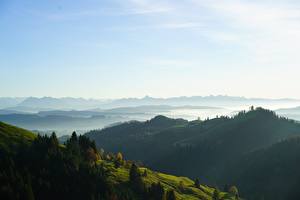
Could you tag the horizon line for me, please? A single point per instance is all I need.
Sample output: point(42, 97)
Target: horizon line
point(151, 97)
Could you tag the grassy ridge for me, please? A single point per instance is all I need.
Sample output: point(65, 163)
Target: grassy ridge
point(11, 136)
point(184, 187)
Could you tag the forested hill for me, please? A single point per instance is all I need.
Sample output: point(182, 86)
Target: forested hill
point(270, 173)
point(132, 136)
point(208, 149)
point(223, 138)
point(38, 167)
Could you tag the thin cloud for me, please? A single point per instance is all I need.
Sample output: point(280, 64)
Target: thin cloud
point(174, 25)
point(267, 31)
point(77, 15)
point(145, 6)
point(171, 63)
point(183, 25)
point(148, 11)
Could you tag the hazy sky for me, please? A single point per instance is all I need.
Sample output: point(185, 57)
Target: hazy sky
point(122, 48)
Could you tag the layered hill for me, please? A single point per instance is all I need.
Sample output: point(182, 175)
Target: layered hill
point(208, 149)
point(138, 139)
point(66, 121)
point(59, 122)
point(293, 113)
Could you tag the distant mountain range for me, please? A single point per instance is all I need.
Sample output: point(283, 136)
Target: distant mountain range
point(219, 100)
point(6, 102)
point(34, 104)
point(215, 101)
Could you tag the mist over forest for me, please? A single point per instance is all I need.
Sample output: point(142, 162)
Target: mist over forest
point(65, 115)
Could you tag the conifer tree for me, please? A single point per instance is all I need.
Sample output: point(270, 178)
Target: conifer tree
point(171, 195)
point(216, 195)
point(197, 183)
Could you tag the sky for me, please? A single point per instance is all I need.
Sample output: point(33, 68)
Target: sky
point(161, 48)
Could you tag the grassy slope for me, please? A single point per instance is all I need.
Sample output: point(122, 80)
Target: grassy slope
point(169, 182)
point(11, 136)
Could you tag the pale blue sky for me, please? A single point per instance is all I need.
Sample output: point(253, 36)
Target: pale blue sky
point(132, 48)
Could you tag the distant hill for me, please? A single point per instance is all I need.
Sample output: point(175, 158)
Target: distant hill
point(289, 110)
point(206, 149)
point(8, 112)
point(137, 139)
point(293, 113)
point(46, 170)
point(6, 102)
point(59, 122)
point(222, 137)
point(70, 113)
point(136, 110)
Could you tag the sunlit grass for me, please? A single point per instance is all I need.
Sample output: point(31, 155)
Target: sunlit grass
point(184, 187)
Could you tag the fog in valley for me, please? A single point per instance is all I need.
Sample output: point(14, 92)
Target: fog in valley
point(65, 115)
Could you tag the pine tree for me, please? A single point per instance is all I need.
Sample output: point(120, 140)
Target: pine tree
point(134, 173)
point(216, 195)
point(136, 179)
point(73, 137)
point(171, 195)
point(145, 174)
point(197, 183)
point(156, 191)
point(181, 186)
point(54, 139)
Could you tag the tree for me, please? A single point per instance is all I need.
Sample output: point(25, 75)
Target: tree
point(145, 174)
point(171, 195)
point(119, 157)
point(73, 137)
point(197, 183)
point(136, 179)
point(234, 191)
point(134, 173)
point(157, 191)
point(119, 160)
point(54, 142)
point(91, 155)
point(29, 192)
point(181, 186)
point(216, 195)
